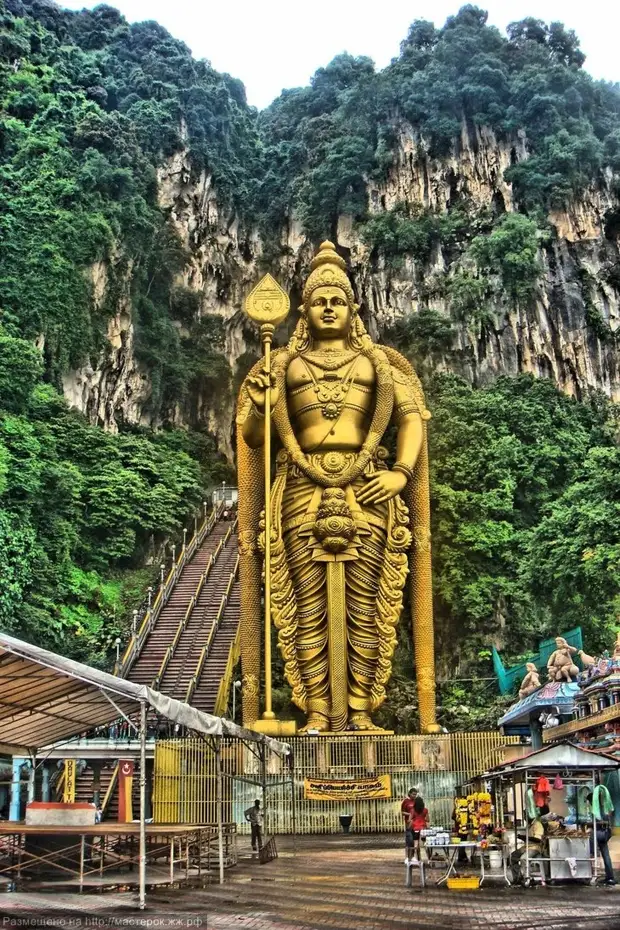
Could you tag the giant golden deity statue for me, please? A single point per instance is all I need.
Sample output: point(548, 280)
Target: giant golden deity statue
point(345, 527)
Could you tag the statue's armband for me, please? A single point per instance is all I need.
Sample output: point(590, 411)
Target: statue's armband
point(405, 400)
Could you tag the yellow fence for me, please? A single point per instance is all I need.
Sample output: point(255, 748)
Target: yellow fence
point(184, 783)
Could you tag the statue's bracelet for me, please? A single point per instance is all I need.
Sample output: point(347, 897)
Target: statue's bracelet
point(403, 469)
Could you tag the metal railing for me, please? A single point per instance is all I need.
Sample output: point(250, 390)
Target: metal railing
point(223, 693)
point(204, 653)
point(139, 637)
point(110, 789)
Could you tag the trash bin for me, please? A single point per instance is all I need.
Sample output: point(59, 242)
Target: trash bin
point(345, 822)
point(495, 858)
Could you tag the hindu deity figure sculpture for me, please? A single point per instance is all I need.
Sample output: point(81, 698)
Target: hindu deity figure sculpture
point(561, 664)
point(531, 681)
point(346, 526)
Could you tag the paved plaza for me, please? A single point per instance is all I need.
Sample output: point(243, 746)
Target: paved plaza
point(341, 883)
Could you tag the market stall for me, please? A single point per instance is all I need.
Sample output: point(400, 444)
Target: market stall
point(549, 788)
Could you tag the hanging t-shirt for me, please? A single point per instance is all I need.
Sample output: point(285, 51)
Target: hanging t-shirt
point(542, 789)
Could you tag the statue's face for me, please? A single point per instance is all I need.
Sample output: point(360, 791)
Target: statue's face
point(329, 313)
point(559, 641)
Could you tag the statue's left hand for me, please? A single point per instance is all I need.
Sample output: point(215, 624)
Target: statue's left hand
point(382, 487)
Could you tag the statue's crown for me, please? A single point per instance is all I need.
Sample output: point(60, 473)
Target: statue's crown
point(328, 269)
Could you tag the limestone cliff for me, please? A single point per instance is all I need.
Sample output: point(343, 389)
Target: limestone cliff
point(566, 332)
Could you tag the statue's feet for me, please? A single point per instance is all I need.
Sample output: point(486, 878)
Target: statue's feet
point(362, 721)
point(315, 721)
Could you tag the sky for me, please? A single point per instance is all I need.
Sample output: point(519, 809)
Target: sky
point(275, 44)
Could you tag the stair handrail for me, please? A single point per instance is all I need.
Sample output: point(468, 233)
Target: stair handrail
point(60, 785)
point(223, 692)
point(109, 790)
point(204, 652)
point(151, 616)
point(188, 612)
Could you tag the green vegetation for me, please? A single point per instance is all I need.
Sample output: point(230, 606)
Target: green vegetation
point(89, 107)
point(81, 510)
point(326, 140)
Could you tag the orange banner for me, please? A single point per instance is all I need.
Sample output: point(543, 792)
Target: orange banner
point(344, 789)
point(125, 790)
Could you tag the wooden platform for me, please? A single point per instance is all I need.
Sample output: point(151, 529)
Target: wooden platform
point(10, 827)
point(97, 854)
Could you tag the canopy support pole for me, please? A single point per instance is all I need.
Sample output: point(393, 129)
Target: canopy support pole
point(263, 780)
point(142, 894)
point(220, 806)
point(291, 762)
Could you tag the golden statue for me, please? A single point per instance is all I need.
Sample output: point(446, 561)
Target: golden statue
point(344, 526)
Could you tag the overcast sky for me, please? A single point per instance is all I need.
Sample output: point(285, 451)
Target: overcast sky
point(273, 44)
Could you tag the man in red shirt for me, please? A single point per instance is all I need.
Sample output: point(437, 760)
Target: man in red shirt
point(407, 811)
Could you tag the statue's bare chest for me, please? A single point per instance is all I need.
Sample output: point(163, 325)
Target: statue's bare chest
point(322, 384)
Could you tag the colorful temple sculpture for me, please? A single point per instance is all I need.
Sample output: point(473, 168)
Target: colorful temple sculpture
point(596, 714)
point(328, 544)
point(548, 691)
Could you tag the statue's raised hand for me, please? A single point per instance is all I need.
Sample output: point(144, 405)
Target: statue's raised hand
point(257, 389)
point(381, 487)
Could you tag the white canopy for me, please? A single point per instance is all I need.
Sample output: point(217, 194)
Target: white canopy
point(46, 698)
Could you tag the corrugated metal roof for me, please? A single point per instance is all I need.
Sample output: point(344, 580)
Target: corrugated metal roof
point(46, 698)
point(561, 756)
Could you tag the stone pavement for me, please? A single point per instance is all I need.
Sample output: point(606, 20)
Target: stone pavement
point(331, 882)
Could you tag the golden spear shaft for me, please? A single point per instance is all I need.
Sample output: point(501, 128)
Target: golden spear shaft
point(268, 305)
point(266, 336)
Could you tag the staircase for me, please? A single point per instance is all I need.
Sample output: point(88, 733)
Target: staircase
point(184, 660)
point(187, 647)
point(146, 666)
point(215, 678)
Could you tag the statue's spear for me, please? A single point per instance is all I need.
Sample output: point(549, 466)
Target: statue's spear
point(267, 305)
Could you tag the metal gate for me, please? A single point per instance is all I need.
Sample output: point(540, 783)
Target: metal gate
point(184, 778)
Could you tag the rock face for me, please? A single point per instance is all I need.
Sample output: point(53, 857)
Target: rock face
point(566, 333)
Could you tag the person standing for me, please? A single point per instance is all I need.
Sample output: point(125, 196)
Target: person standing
point(254, 816)
point(603, 835)
point(406, 809)
point(418, 822)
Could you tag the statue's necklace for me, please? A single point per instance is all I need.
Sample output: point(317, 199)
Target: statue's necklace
point(332, 389)
point(331, 362)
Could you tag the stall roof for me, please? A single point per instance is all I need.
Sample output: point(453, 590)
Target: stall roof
point(46, 698)
point(560, 756)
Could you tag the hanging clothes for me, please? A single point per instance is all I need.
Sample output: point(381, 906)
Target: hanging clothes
point(530, 805)
point(602, 805)
point(558, 784)
point(583, 805)
point(542, 790)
